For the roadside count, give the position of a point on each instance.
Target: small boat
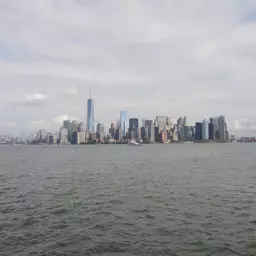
(134, 143)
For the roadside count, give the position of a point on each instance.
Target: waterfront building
(150, 128)
(157, 133)
(205, 130)
(160, 122)
(181, 123)
(175, 134)
(134, 127)
(163, 136)
(80, 137)
(143, 133)
(63, 136)
(67, 125)
(123, 121)
(112, 130)
(222, 129)
(90, 116)
(215, 122)
(198, 135)
(211, 132)
(52, 139)
(74, 137)
(100, 134)
(189, 133)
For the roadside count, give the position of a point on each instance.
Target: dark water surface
(124, 200)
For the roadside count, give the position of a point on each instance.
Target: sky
(148, 57)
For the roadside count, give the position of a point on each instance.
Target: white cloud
(59, 119)
(5, 124)
(35, 96)
(38, 123)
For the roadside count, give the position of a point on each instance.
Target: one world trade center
(90, 115)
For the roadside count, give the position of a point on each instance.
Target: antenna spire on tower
(90, 92)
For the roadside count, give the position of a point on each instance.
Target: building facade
(222, 129)
(150, 130)
(81, 127)
(100, 133)
(211, 132)
(134, 127)
(63, 137)
(198, 135)
(67, 125)
(90, 116)
(123, 120)
(205, 130)
(160, 121)
(80, 137)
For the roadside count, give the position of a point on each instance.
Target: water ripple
(117, 200)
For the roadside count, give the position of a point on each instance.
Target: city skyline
(172, 57)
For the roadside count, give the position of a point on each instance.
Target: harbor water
(111, 200)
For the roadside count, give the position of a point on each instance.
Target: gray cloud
(135, 55)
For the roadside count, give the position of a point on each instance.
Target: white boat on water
(134, 143)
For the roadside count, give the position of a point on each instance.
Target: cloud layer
(194, 58)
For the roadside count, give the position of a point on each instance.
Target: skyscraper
(122, 128)
(149, 125)
(211, 132)
(81, 127)
(90, 115)
(205, 130)
(100, 133)
(215, 122)
(160, 121)
(134, 127)
(198, 135)
(222, 128)
(67, 125)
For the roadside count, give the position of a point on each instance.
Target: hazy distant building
(150, 130)
(215, 122)
(205, 130)
(157, 133)
(90, 116)
(123, 121)
(100, 131)
(63, 137)
(52, 139)
(181, 123)
(80, 137)
(211, 132)
(189, 133)
(160, 121)
(222, 128)
(67, 125)
(143, 132)
(134, 127)
(198, 135)
(185, 121)
(81, 127)
(163, 136)
(175, 134)
(41, 136)
(74, 137)
(112, 130)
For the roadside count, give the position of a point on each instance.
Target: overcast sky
(151, 57)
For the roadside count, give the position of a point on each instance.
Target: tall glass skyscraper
(90, 115)
(122, 124)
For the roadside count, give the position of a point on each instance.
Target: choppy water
(124, 200)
